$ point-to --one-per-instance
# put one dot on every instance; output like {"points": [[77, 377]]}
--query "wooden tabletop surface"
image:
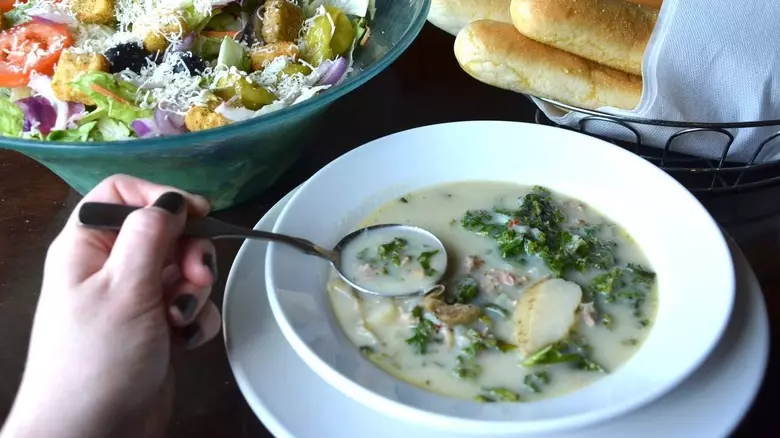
{"points": [[424, 86]]}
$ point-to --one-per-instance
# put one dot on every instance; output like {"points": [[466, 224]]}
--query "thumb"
{"points": [[146, 237]]}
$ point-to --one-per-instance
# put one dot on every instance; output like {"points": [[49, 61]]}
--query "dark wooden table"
{"points": [[424, 86]]}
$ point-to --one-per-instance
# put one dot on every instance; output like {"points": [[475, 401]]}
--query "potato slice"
{"points": [[545, 314], [380, 311]]}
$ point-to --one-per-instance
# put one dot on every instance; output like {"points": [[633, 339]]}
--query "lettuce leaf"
{"points": [[112, 130], [196, 20], [11, 118], [114, 96], [82, 133], [232, 54], [207, 47]]}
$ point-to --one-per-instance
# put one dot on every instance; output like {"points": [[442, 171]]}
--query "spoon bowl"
{"points": [[420, 262], [378, 276]]}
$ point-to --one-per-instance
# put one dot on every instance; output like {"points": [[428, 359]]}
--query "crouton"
{"points": [[263, 55], [282, 21], [199, 118], [70, 66], [94, 11], [157, 31]]}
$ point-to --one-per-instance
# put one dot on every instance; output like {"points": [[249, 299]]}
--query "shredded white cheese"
{"points": [[45, 7], [130, 12], [161, 85], [95, 38]]}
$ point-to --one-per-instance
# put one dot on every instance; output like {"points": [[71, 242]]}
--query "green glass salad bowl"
{"points": [[231, 164]]}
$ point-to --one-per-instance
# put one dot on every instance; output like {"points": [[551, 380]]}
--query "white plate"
{"points": [[293, 402], [682, 242]]}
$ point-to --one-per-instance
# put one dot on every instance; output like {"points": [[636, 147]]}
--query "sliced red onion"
{"points": [[168, 123], [75, 112], [38, 112], [54, 18], [234, 114], [42, 85], [334, 72], [144, 128], [186, 44]]}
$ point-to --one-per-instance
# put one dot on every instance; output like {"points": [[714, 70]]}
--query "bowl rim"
{"points": [[417, 414], [237, 128]]}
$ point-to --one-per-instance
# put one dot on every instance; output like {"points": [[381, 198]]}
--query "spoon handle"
{"points": [[104, 216]]}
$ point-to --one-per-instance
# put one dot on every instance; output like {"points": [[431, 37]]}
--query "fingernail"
{"points": [[208, 261], [186, 304], [172, 202], [190, 334]]}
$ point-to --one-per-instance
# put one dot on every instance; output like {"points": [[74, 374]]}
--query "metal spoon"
{"points": [[106, 216]]}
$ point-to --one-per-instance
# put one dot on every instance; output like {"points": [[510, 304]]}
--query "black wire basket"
{"points": [[738, 195], [699, 175]]}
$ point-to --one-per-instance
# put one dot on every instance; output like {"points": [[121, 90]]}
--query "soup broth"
{"points": [[543, 295]]}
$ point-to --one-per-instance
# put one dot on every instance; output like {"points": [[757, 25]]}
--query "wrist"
{"points": [[54, 416]]}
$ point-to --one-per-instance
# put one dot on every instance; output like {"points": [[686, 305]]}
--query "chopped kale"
{"points": [[630, 295], [425, 262], [467, 368], [606, 320], [479, 342], [404, 200], [536, 381], [423, 333], [561, 249], [464, 291], [606, 282], [503, 394], [538, 210], [641, 275], [586, 364], [619, 278], [480, 222], [574, 350], [393, 250], [505, 347], [367, 350], [629, 285], [549, 355], [511, 243]]}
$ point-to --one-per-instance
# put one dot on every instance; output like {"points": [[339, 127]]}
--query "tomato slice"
{"points": [[7, 5], [33, 46]]}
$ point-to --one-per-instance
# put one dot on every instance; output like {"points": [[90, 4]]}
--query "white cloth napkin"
{"points": [[707, 61]]}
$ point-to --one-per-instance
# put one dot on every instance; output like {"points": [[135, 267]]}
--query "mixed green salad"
{"points": [[105, 70]]}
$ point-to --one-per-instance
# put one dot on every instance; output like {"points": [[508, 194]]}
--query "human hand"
{"points": [[114, 308]]}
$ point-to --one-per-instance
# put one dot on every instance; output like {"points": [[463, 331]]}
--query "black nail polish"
{"points": [[171, 202], [186, 304], [191, 334], [209, 262]]}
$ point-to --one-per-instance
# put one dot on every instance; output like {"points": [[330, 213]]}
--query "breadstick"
{"points": [[452, 15], [611, 32], [497, 54]]}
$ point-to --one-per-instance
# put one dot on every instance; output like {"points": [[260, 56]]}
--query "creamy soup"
{"points": [[542, 296], [393, 261]]}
